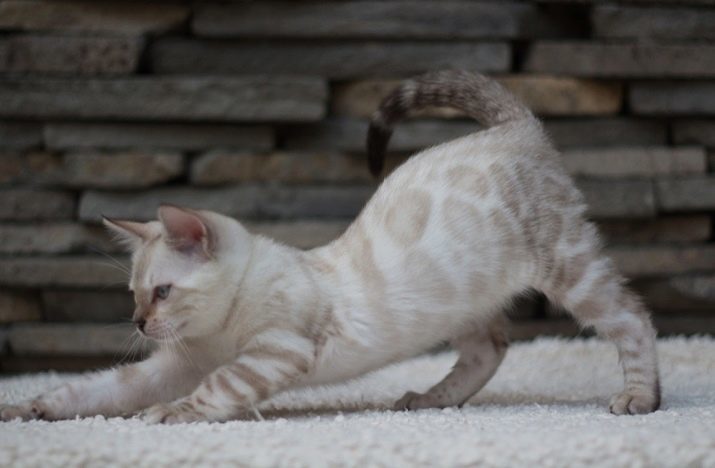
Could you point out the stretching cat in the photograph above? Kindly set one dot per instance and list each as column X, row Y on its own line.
column 437, row 254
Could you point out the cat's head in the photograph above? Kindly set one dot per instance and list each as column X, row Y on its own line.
column 182, row 268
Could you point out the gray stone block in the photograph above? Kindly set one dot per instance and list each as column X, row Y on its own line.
column 331, row 60
column 188, row 137
column 87, row 16
column 54, row 238
column 686, row 194
column 127, row 169
column 694, row 228
column 694, row 132
column 658, row 98
column 633, row 22
column 349, row 135
column 647, row 261
column 223, row 167
column 606, row 132
column 619, row 198
column 622, row 60
column 67, row 271
column 345, row 134
column 20, row 136
column 120, row 169
column 635, row 161
column 73, row 339
column 87, row 306
column 18, row 307
column 244, row 202
column 60, row 55
column 691, row 293
column 371, row 19
column 30, row 204
column 218, row 99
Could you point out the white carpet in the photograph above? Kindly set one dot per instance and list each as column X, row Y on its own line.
column 545, row 407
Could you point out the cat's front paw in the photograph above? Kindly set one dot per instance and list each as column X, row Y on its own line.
column 634, row 402
column 177, row 412
column 26, row 411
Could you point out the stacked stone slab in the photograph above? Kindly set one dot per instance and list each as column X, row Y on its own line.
column 259, row 110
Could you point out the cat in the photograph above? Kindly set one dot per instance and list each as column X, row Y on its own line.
column 437, row 254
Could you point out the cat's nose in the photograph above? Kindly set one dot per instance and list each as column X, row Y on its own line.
column 140, row 323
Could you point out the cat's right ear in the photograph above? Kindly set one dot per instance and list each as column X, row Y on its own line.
column 129, row 233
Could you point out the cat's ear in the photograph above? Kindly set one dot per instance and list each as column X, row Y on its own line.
column 187, row 231
column 130, row 233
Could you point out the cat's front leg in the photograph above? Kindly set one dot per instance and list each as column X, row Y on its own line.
column 114, row 392
column 234, row 388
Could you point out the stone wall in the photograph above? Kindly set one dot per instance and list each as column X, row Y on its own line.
column 258, row 110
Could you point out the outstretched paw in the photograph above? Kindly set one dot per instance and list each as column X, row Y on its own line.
column 26, row 411
column 634, row 402
column 177, row 412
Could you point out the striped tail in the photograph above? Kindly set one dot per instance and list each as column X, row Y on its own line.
column 479, row 97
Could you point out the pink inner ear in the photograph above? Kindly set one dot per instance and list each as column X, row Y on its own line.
column 185, row 229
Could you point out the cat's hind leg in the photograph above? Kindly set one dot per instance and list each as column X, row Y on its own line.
column 589, row 287
column 480, row 353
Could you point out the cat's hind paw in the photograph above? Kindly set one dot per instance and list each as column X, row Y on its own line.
column 177, row 412
column 415, row 401
column 634, row 402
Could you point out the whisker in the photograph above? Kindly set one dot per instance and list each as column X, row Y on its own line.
column 116, row 262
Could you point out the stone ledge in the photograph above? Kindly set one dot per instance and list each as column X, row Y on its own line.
column 329, row 60
column 91, row 17
column 673, row 98
column 18, row 307
column 33, row 204
column 187, row 137
column 686, row 194
column 635, row 161
column 679, row 294
column 54, row 238
column 71, row 271
column 682, row 229
column 618, row 198
column 632, row 22
column 309, row 167
column 648, row 261
column 582, row 58
column 694, row 132
column 75, row 339
column 60, row 55
column 90, row 169
column 18, row 136
column 245, row 201
column 375, row 20
column 256, row 99
column 87, row 306
column 348, row 134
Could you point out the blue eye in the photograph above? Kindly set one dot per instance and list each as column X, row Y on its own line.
column 162, row 292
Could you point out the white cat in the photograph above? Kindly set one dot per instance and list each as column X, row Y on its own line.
column 444, row 245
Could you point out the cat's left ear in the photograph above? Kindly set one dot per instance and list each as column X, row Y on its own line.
column 130, row 233
column 187, row 231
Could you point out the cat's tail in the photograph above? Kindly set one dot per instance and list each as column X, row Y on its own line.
column 479, row 97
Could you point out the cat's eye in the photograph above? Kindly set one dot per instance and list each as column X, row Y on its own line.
column 162, row 292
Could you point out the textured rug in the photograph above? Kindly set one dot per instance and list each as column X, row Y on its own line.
column 545, row 407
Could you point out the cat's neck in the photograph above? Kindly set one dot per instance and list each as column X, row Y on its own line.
column 278, row 288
